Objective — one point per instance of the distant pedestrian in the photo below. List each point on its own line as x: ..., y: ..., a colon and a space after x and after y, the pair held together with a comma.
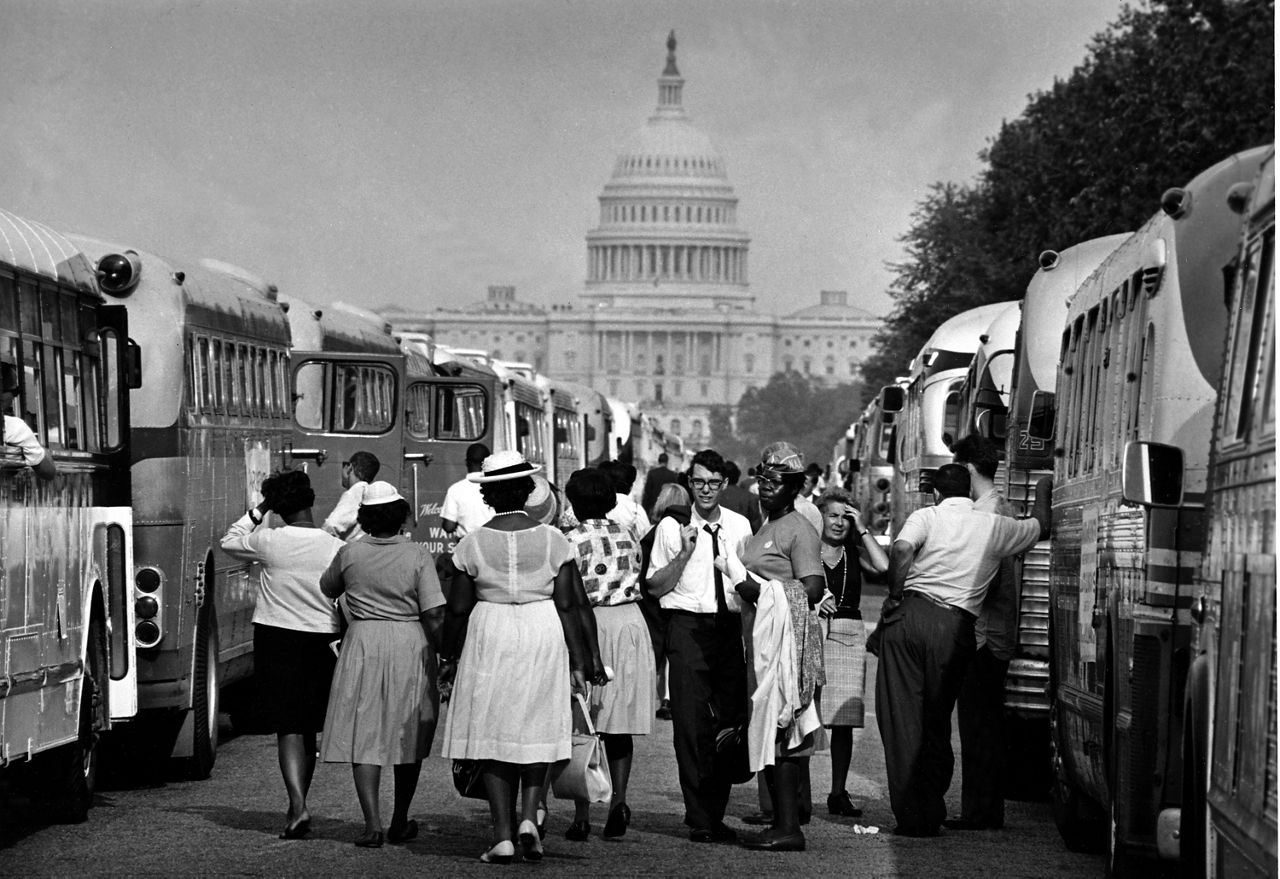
x: 980, y: 708
x: 654, y: 480
x: 514, y: 599
x: 848, y: 551
x: 626, y: 511
x: 357, y: 472
x: 608, y: 558
x: 942, y: 560
x: 382, y: 707
x: 293, y: 625
x: 736, y: 498
x: 673, y: 501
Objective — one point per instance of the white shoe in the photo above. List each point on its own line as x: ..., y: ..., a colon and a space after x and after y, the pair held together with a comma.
x: 502, y: 853
x: 530, y: 842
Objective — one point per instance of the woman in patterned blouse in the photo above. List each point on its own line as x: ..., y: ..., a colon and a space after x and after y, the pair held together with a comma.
x: 608, y: 556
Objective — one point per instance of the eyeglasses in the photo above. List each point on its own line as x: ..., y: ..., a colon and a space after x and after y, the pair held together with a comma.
x: 713, y: 484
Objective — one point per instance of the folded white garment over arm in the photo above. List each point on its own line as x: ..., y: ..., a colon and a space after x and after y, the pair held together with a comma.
x: 773, y: 658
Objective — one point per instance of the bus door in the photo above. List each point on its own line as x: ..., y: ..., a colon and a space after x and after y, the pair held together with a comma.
x: 443, y: 416
x: 345, y: 403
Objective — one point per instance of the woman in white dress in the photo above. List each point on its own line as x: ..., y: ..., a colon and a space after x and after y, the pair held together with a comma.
x: 514, y: 600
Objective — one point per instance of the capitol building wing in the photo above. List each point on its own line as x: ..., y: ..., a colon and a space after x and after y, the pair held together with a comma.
x: 666, y: 317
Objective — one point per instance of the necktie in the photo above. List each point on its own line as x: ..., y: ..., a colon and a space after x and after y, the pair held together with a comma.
x: 721, y: 607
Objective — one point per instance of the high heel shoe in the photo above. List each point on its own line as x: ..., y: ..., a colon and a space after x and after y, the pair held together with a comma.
x: 502, y: 853
x: 578, y: 831
x: 530, y: 841
x: 840, y: 804
x: 370, y: 840
x: 619, y: 820
x: 543, y: 815
x: 398, y: 833
x: 297, y: 831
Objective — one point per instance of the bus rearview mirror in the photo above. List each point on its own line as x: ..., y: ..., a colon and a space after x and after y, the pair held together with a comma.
x: 1152, y: 474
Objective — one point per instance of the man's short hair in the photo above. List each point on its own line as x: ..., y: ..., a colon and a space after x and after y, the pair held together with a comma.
x: 662, y: 458
x: 732, y: 473
x: 711, y: 460
x: 364, y: 465
x: 476, y: 453
x: 9, y: 378
x: 979, y: 451
x: 622, y: 474
x: 952, y: 480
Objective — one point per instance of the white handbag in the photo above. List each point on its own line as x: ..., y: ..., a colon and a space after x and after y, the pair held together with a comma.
x: 585, y: 775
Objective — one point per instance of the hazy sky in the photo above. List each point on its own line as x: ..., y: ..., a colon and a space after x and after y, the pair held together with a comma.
x: 416, y: 152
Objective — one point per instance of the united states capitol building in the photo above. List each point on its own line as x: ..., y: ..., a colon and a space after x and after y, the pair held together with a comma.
x: 667, y: 318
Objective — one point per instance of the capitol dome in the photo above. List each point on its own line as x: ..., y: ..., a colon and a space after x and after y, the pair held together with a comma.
x: 668, y: 234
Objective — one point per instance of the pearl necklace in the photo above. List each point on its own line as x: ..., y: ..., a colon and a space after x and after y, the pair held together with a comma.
x: 839, y: 558
x: 509, y: 513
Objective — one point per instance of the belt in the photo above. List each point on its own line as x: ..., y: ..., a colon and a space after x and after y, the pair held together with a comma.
x: 916, y: 593
x: 674, y: 611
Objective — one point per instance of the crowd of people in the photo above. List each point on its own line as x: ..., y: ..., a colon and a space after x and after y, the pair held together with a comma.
x: 730, y: 607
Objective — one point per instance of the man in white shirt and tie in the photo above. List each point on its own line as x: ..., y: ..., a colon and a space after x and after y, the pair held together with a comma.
x: 704, y: 641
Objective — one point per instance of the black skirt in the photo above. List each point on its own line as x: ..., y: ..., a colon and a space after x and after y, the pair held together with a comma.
x: 293, y: 671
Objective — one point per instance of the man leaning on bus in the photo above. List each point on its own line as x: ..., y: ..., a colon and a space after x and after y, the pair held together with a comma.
x: 943, y: 559
x: 16, y: 431
x: 357, y: 473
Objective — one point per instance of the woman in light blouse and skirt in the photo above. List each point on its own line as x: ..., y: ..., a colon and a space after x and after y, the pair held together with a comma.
x: 608, y: 559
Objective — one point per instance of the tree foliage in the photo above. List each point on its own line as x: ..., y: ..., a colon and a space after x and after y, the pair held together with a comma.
x: 797, y: 408
x: 1167, y: 90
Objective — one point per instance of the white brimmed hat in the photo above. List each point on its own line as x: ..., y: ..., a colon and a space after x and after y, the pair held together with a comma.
x: 380, y: 493
x: 507, y: 464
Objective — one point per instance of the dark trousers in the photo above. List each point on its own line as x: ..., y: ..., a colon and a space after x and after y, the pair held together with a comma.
x: 707, y: 677
x: 980, y: 714
x: 924, y: 653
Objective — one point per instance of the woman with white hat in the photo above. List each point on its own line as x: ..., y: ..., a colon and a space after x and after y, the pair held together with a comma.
x: 382, y: 706
x: 514, y: 598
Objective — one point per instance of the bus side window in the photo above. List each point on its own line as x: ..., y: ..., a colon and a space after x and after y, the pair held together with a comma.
x: 109, y: 384
x: 308, y: 409
x: 418, y: 410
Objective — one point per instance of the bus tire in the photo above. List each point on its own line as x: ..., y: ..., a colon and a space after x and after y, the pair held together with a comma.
x: 1195, y: 830
x: 1120, y: 863
x: 66, y: 776
x: 1076, y: 817
x: 204, y: 699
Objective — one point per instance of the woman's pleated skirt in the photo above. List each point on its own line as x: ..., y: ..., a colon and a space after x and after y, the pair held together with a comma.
x: 382, y: 706
x: 626, y: 704
x: 510, y: 699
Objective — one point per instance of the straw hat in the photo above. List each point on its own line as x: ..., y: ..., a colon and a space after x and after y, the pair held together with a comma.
x: 782, y: 459
x: 507, y: 464
x: 541, y: 505
x: 380, y: 493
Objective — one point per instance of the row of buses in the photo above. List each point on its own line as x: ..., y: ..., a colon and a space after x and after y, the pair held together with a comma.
x: 1138, y: 371
x: 165, y: 392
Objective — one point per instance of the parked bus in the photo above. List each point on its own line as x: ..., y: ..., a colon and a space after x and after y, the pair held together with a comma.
x: 1140, y: 360
x: 67, y: 639
x: 211, y: 422
x: 921, y: 431
x: 526, y: 426
x: 1228, y: 815
x: 871, y: 461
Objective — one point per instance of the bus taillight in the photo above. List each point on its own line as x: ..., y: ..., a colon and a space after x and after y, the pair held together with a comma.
x: 146, y: 606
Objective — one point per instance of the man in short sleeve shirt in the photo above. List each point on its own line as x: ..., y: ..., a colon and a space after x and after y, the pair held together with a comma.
x: 942, y: 560
x: 705, y: 656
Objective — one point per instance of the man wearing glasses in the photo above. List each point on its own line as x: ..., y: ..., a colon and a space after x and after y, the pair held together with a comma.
x: 708, y: 676
x: 16, y: 431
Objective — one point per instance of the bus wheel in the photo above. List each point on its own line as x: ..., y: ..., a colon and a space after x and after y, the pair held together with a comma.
x: 67, y: 775
x: 204, y: 699
x: 1195, y: 830
x: 1075, y: 816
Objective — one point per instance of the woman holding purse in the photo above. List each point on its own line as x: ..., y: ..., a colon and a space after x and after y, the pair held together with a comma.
x: 608, y: 559
x: 848, y: 551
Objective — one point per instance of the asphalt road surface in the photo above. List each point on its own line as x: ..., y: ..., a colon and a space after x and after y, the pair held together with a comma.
x: 229, y: 824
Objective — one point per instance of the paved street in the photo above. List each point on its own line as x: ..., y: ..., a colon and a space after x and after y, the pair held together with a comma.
x: 229, y: 825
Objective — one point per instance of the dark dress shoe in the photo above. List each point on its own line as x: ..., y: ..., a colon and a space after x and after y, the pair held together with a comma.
x: 970, y: 824
x: 619, y: 819
x: 664, y: 710
x: 759, y: 819
x: 840, y: 804
x: 578, y: 831
x: 718, y: 834
x: 398, y: 833
x: 297, y: 831
x: 370, y: 840
x: 917, y: 832
x: 792, y: 842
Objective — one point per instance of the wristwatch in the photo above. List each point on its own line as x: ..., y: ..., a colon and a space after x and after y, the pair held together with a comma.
x: 253, y: 517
